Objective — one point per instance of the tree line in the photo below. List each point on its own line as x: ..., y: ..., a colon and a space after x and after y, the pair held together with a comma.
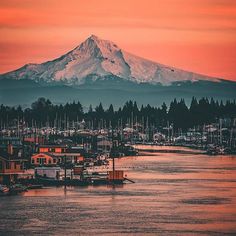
x: 44, y: 113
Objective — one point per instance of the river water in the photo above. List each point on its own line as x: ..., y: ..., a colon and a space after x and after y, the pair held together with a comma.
x: 173, y: 194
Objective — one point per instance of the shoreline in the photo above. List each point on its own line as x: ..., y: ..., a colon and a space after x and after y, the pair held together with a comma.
x: 167, y: 149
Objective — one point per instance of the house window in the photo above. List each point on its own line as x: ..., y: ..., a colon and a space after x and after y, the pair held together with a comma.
x: 54, y: 160
x: 7, y: 165
x: 49, y: 162
x: 1, y: 165
x: 41, y: 160
x: 32, y: 161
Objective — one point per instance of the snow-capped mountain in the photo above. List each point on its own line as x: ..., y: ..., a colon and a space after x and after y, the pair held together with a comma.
x: 99, y: 58
x: 99, y: 71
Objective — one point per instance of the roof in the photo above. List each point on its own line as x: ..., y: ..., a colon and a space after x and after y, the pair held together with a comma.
x: 52, y: 146
x: 9, y: 138
x: 104, y: 142
x: 57, y: 154
x: 67, y: 154
x: 48, y: 168
x: 7, y: 157
x: 43, y: 153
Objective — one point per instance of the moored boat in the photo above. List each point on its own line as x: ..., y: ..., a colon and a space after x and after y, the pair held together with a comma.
x: 17, y: 188
x: 34, y: 186
x: 4, y: 190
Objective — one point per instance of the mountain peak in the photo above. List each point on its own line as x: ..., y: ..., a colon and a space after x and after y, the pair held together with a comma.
x: 100, y: 57
x: 94, y: 37
x: 96, y: 47
x: 100, y: 43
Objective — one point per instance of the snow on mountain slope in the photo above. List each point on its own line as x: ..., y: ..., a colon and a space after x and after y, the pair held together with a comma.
x: 99, y: 58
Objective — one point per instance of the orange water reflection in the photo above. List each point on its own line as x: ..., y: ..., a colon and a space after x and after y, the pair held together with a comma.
x: 173, y: 194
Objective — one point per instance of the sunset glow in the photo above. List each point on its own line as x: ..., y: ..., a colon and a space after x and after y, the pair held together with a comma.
x: 195, y: 35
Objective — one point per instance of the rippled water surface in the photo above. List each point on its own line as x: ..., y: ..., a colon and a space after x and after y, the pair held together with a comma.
x: 173, y: 194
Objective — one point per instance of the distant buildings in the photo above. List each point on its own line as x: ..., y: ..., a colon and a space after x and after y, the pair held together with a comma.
x: 10, y: 166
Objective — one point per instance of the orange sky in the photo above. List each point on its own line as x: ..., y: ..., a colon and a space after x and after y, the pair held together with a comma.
x: 196, y: 35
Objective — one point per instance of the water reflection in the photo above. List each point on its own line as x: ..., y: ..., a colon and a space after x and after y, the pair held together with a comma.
x: 173, y: 194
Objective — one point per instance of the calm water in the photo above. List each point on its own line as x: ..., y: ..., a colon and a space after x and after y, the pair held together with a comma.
x: 174, y: 194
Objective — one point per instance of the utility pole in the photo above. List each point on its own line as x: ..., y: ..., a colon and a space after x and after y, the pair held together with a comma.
x: 113, y: 158
x: 65, y: 171
x: 221, y: 132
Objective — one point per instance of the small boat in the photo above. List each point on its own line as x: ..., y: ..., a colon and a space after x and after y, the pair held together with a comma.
x: 45, y: 181
x: 215, y: 150
x: 54, y: 182
x: 4, y: 190
x: 34, y: 186
x: 17, y: 188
